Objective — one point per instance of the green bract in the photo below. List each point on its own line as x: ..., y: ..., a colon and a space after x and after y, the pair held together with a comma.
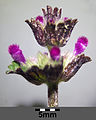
x: 13, y: 67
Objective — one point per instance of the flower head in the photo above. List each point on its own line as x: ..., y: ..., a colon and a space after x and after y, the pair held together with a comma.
x: 16, y: 53
x: 54, y: 32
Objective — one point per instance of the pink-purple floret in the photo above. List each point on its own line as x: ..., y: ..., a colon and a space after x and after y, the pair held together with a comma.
x: 83, y: 40
x: 16, y: 53
x: 55, y: 53
x: 65, y: 18
x: 13, y: 49
x: 40, y: 18
x: 81, y: 45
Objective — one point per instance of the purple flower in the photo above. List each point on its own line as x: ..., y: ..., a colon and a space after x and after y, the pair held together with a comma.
x: 65, y: 18
x: 55, y: 53
x: 83, y: 40
x: 16, y: 53
x: 81, y: 45
x: 40, y: 18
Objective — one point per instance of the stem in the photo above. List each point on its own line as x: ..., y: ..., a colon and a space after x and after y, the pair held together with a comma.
x: 53, y: 95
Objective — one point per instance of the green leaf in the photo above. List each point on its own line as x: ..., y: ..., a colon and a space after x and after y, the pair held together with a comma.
x: 11, y: 67
x: 15, y: 65
x: 24, y: 68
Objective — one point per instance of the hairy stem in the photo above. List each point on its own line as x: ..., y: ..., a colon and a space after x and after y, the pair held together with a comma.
x: 53, y: 95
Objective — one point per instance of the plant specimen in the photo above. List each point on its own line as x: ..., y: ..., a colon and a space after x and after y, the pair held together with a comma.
x: 50, y: 31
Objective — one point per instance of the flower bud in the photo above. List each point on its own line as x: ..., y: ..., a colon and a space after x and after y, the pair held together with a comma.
x: 81, y: 45
x: 55, y: 53
x: 16, y: 53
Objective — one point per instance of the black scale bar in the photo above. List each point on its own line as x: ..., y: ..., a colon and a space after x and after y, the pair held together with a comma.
x: 48, y: 109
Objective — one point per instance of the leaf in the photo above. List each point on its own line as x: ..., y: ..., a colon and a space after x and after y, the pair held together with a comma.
x: 11, y: 67
x: 24, y: 68
x: 15, y: 65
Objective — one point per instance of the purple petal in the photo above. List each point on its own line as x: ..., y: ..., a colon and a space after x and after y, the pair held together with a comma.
x: 16, y: 53
x: 65, y: 18
x: 40, y: 18
x: 13, y: 49
x: 83, y: 40
x: 81, y: 45
x: 18, y: 56
x: 78, y: 49
x: 55, y: 53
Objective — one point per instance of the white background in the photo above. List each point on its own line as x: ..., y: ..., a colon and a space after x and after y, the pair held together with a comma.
x: 80, y: 91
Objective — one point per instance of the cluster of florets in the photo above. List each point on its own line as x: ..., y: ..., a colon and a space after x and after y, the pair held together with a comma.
x: 53, y: 32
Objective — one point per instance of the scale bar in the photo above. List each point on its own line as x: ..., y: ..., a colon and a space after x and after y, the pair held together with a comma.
x: 47, y: 109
